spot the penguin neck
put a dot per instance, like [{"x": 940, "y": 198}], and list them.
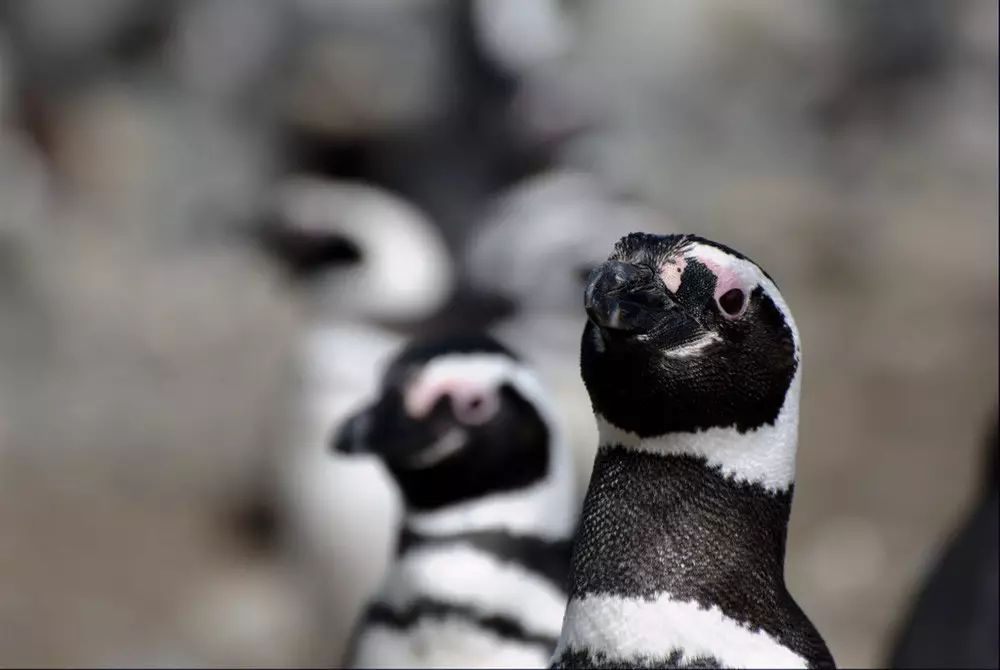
[
  {"x": 546, "y": 509},
  {"x": 764, "y": 455},
  {"x": 719, "y": 496},
  {"x": 686, "y": 520}
]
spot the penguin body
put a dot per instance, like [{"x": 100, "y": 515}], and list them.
[
  {"x": 691, "y": 359},
  {"x": 479, "y": 574}
]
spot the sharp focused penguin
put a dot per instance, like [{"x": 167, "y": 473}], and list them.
[
  {"x": 692, "y": 362},
  {"x": 479, "y": 577}
]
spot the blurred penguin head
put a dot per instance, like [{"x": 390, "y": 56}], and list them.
[
  {"x": 365, "y": 252},
  {"x": 457, "y": 417}
]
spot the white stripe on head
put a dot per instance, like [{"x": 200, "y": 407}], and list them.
[
  {"x": 634, "y": 629},
  {"x": 764, "y": 455},
  {"x": 443, "y": 643},
  {"x": 730, "y": 271},
  {"x": 694, "y": 347},
  {"x": 450, "y": 443},
  {"x": 404, "y": 257},
  {"x": 472, "y": 387},
  {"x": 460, "y": 574},
  {"x": 547, "y": 507}
]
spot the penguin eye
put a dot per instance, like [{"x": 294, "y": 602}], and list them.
[
  {"x": 475, "y": 408},
  {"x": 732, "y": 301}
]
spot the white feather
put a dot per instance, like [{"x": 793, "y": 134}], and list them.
[
  {"x": 632, "y": 628},
  {"x": 460, "y": 574},
  {"x": 448, "y": 643}
]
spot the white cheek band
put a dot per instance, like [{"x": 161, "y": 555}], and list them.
[{"x": 452, "y": 442}]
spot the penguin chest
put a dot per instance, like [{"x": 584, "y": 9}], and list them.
[
  {"x": 449, "y": 642},
  {"x": 461, "y": 606}
]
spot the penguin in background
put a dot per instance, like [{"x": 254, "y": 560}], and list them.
[
  {"x": 954, "y": 617},
  {"x": 361, "y": 258},
  {"x": 376, "y": 272},
  {"x": 479, "y": 456}
]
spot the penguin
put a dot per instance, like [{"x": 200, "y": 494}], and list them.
[
  {"x": 482, "y": 556},
  {"x": 691, "y": 359},
  {"x": 954, "y": 617},
  {"x": 359, "y": 258}
]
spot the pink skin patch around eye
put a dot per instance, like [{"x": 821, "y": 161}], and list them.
[
  {"x": 726, "y": 278},
  {"x": 671, "y": 271},
  {"x": 472, "y": 402}
]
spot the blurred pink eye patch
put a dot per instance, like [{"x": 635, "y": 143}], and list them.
[{"x": 472, "y": 401}]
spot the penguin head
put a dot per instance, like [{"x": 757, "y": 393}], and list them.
[
  {"x": 684, "y": 335},
  {"x": 457, "y": 418},
  {"x": 363, "y": 251}
]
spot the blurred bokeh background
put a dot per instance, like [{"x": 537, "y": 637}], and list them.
[{"x": 218, "y": 217}]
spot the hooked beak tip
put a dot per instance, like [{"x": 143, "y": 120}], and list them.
[
  {"x": 349, "y": 437},
  {"x": 623, "y": 297}
]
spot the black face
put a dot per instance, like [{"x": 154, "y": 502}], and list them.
[
  {"x": 466, "y": 443},
  {"x": 709, "y": 350}
]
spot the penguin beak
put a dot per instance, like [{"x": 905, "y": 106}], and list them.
[
  {"x": 626, "y": 298},
  {"x": 351, "y": 437},
  {"x": 379, "y": 431}
]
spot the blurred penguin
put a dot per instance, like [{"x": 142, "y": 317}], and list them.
[
  {"x": 363, "y": 259},
  {"x": 954, "y": 619},
  {"x": 482, "y": 559}
]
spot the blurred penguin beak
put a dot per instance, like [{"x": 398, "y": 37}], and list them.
[{"x": 351, "y": 437}]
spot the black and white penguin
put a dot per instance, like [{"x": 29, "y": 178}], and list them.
[
  {"x": 692, "y": 362},
  {"x": 482, "y": 558}
]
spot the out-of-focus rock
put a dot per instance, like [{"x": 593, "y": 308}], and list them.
[
  {"x": 361, "y": 69},
  {"x": 168, "y": 165},
  {"x": 68, "y": 44},
  {"x": 229, "y": 51}
]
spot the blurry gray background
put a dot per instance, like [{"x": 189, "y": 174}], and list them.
[{"x": 149, "y": 352}]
